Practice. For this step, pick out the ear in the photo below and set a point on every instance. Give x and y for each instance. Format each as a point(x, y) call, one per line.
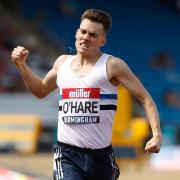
point(76, 33)
point(103, 41)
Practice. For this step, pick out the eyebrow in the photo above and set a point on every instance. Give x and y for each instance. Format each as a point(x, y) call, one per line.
point(90, 33)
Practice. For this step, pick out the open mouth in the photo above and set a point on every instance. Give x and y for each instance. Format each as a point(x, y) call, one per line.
point(83, 45)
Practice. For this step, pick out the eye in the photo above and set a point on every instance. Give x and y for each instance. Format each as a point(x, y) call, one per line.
point(94, 35)
point(82, 31)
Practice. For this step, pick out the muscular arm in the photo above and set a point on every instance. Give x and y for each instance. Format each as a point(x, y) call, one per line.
point(37, 86)
point(120, 72)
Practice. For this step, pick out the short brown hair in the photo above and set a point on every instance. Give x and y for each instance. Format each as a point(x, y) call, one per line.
point(99, 16)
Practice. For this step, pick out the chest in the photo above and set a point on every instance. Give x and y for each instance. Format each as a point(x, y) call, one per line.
point(81, 69)
point(82, 77)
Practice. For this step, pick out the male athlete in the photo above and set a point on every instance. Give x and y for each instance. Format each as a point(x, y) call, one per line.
point(87, 85)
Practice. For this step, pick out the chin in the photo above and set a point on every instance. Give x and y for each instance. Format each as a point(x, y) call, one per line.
point(83, 52)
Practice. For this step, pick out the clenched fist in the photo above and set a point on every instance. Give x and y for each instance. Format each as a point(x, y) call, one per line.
point(19, 55)
point(153, 145)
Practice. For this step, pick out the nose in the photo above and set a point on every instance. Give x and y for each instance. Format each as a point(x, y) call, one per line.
point(86, 36)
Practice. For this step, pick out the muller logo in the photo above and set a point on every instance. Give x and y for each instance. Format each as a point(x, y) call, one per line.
point(71, 93)
point(79, 93)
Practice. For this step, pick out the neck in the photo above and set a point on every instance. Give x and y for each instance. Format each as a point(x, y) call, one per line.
point(85, 59)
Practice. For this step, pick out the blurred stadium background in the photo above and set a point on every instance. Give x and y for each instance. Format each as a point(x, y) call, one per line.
point(145, 33)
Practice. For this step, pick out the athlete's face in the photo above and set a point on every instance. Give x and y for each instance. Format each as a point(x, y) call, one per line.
point(90, 37)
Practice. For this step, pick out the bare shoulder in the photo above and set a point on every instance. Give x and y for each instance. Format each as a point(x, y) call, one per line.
point(59, 61)
point(115, 64)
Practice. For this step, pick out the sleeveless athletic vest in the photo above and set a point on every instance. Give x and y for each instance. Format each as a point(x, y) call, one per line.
point(87, 104)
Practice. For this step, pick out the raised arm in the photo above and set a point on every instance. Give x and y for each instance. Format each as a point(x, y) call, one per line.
point(37, 86)
point(121, 74)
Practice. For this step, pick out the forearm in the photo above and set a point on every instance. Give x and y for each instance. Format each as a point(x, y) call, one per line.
point(32, 82)
point(152, 116)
